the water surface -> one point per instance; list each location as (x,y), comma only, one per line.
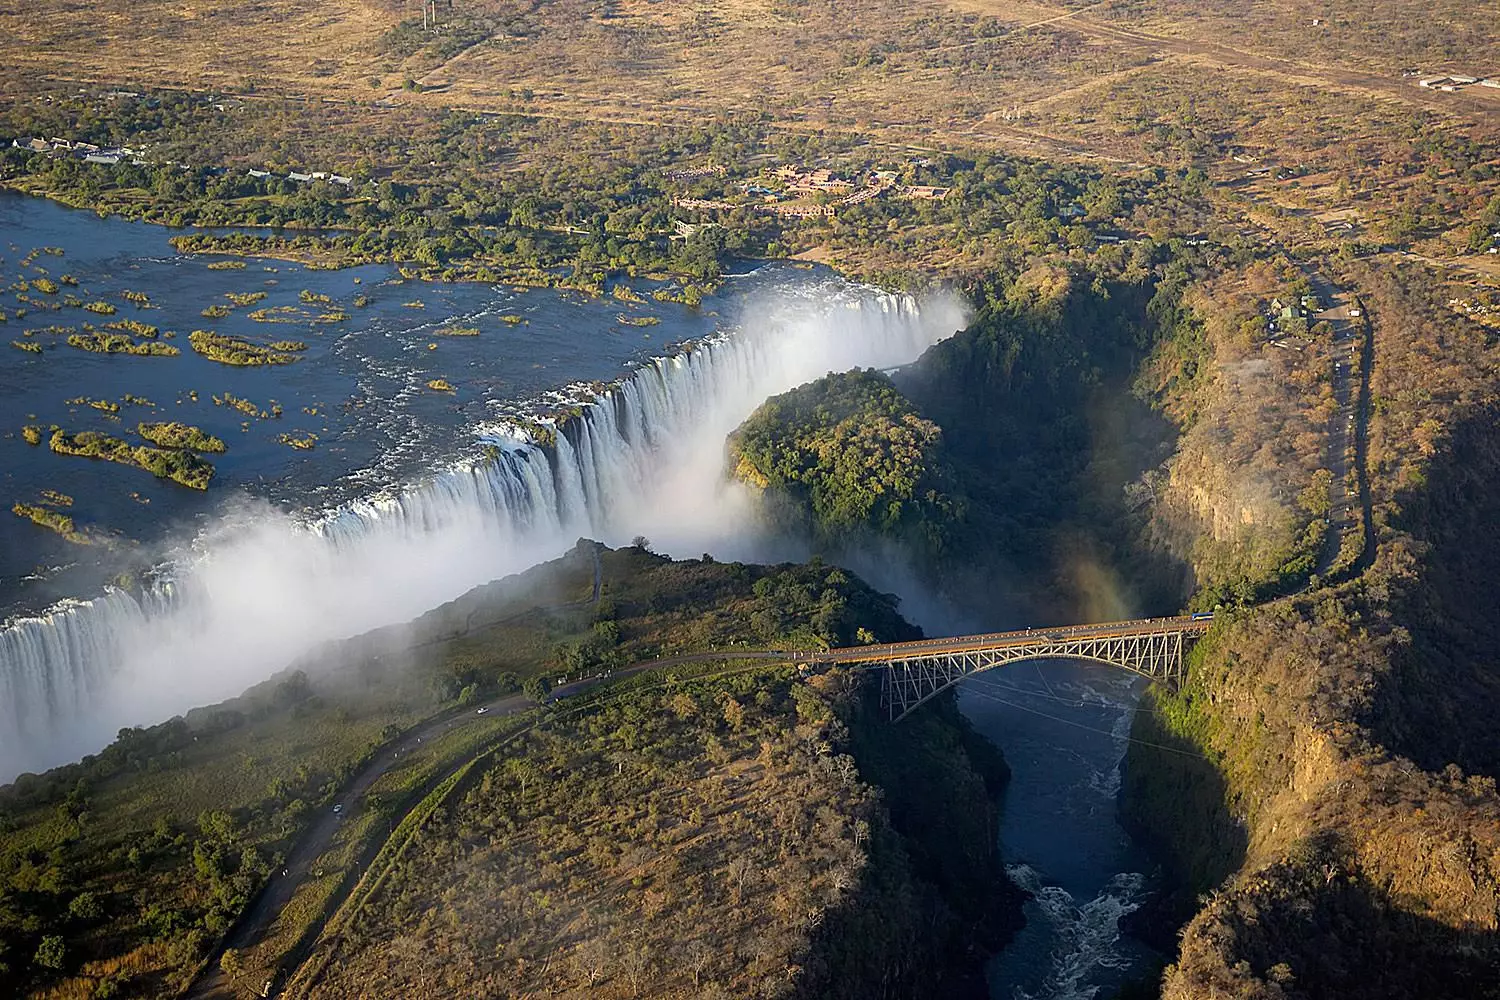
(1064,727)
(361,387)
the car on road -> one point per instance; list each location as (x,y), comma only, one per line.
(338,808)
(482,710)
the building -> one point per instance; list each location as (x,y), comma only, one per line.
(703,204)
(108,158)
(800,211)
(1448,83)
(692,173)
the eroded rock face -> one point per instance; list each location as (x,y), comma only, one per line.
(1347,730)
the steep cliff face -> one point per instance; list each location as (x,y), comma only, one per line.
(934,902)
(849,457)
(1242,497)
(1440,700)
(1323,740)
(999,461)
(1326,773)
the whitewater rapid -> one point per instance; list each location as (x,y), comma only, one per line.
(1065,727)
(261,587)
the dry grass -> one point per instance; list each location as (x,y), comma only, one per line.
(320,46)
(1053,80)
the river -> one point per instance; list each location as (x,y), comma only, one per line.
(1064,727)
(412,496)
(418,495)
(361,387)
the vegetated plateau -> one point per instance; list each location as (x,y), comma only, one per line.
(1234,348)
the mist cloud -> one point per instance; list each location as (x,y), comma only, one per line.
(261,588)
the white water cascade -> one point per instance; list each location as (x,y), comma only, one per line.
(262,587)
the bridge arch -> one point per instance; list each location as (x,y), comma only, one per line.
(916,672)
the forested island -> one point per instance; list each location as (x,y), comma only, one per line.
(1231,347)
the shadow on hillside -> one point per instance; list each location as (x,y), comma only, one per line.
(1328,933)
(1439,704)
(936,863)
(1175,802)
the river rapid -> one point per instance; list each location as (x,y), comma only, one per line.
(1064,727)
(412,496)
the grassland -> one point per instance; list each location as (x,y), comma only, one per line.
(1296,126)
(207,806)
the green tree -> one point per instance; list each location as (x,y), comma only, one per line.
(536,688)
(85,906)
(50,953)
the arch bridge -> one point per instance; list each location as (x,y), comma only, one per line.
(916,672)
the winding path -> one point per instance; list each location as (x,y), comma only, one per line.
(264,910)
(1349,508)
(280,889)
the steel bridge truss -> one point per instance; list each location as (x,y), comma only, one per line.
(908,683)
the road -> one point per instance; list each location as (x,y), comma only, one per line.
(1320,75)
(318,839)
(1341,429)
(886,652)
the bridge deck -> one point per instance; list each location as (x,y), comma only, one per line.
(1020,639)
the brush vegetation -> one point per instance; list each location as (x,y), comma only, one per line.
(229,350)
(177,435)
(120,343)
(52,520)
(856,455)
(182,467)
(166,834)
(1130,434)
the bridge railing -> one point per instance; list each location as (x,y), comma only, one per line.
(997,640)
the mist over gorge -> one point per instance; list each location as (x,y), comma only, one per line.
(260,588)
(333,335)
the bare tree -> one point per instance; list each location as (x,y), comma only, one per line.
(699,956)
(740,871)
(590,959)
(522,771)
(636,963)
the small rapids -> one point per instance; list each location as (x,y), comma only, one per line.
(1064,727)
(1086,937)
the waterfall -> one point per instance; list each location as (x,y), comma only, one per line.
(261,587)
